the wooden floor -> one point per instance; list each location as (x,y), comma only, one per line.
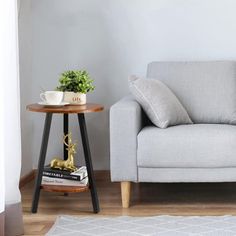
(146,200)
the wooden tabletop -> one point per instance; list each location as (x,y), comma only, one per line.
(64,189)
(89,107)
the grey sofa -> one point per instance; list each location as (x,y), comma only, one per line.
(202,152)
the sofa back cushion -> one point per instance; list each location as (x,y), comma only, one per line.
(206,89)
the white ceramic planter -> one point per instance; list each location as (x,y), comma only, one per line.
(75,98)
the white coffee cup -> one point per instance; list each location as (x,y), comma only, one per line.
(52,97)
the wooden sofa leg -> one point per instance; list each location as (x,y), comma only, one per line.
(125,193)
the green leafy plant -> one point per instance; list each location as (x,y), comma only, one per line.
(77,81)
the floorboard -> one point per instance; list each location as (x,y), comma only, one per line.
(146,200)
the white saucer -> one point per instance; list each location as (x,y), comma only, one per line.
(53,105)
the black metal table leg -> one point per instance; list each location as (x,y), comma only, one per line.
(41,161)
(88,161)
(65,130)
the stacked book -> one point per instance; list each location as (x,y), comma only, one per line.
(65,178)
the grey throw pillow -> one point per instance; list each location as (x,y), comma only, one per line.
(160,104)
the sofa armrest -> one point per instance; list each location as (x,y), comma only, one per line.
(125,124)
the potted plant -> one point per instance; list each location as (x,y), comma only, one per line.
(75,84)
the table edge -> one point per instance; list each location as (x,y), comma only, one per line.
(98,109)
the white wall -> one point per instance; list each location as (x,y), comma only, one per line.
(115,38)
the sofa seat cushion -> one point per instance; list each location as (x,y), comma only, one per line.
(198,145)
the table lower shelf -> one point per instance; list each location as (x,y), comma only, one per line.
(64,189)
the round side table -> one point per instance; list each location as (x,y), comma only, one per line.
(80,110)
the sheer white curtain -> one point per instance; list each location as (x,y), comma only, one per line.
(10,141)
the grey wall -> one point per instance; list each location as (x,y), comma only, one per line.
(113,39)
(25,63)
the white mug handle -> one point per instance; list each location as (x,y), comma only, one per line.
(42,96)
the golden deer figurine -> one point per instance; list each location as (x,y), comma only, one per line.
(69,163)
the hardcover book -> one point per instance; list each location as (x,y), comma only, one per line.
(77,175)
(64,182)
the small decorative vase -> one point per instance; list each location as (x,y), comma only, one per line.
(75,98)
